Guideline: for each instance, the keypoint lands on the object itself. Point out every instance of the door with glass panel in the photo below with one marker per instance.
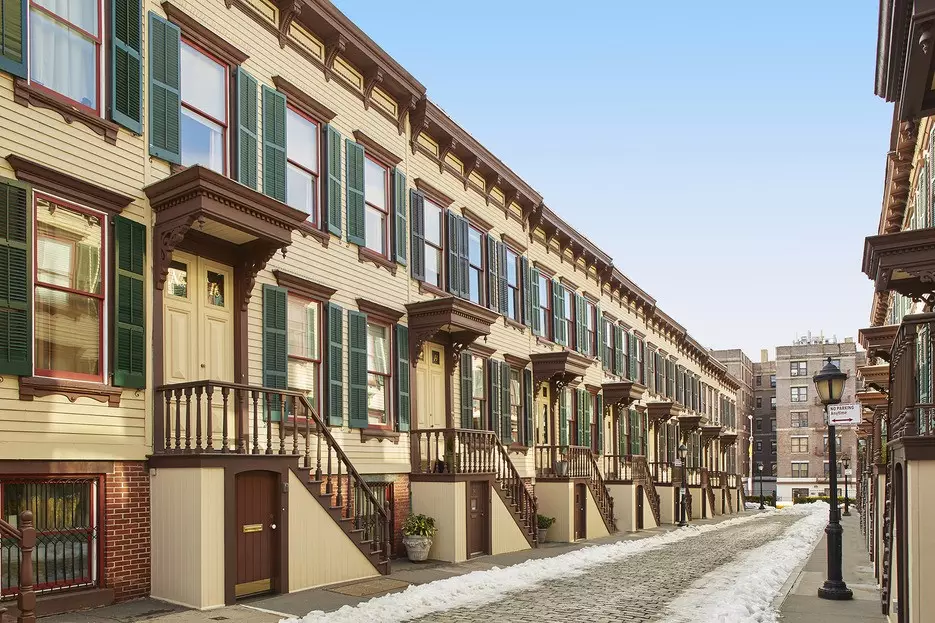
(430, 384)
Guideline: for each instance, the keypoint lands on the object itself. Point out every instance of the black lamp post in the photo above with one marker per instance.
(683, 512)
(846, 463)
(759, 469)
(830, 385)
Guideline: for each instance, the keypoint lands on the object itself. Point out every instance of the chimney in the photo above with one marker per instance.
(764, 355)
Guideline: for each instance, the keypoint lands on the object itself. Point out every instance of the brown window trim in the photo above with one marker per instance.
(365, 254)
(516, 245)
(568, 283)
(379, 434)
(594, 390)
(304, 287)
(68, 187)
(376, 149)
(516, 361)
(25, 94)
(542, 340)
(303, 101)
(542, 268)
(307, 229)
(202, 36)
(509, 322)
(379, 313)
(479, 221)
(428, 288)
(433, 193)
(33, 386)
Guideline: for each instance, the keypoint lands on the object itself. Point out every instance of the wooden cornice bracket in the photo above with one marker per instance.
(371, 79)
(489, 184)
(443, 151)
(288, 11)
(333, 47)
(403, 111)
(469, 167)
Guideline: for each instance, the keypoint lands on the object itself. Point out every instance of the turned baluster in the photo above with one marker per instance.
(268, 402)
(308, 439)
(188, 419)
(168, 417)
(353, 493)
(209, 393)
(329, 487)
(198, 391)
(256, 421)
(178, 419)
(340, 499)
(283, 415)
(318, 454)
(224, 397)
(26, 600)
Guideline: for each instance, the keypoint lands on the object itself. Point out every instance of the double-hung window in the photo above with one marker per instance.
(608, 344)
(69, 290)
(476, 265)
(569, 304)
(590, 328)
(799, 444)
(800, 469)
(799, 394)
(772, 403)
(799, 419)
(204, 109)
(512, 286)
(479, 393)
(798, 368)
(378, 374)
(302, 152)
(304, 318)
(545, 306)
(65, 49)
(376, 196)
(516, 402)
(837, 445)
(434, 230)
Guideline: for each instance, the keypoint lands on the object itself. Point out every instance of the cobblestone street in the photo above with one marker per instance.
(636, 588)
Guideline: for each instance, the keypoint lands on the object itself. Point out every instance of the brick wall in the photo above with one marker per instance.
(401, 510)
(127, 538)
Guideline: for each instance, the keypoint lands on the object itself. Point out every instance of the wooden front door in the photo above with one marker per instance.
(478, 518)
(199, 320)
(430, 387)
(639, 507)
(581, 493)
(543, 402)
(257, 528)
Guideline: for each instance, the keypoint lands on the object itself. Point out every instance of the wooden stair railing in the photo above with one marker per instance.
(605, 501)
(886, 574)
(520, 498)
(25, 539)
(707, 490)
(263, 420)
(642, 476)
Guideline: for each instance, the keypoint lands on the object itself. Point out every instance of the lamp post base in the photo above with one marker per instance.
(837, 591)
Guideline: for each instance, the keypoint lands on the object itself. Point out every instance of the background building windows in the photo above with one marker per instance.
(800, 470)
(798, 394)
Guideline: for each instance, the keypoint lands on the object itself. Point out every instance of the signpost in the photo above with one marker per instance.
(844, 414)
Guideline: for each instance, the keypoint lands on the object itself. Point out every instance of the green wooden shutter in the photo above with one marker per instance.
(274, 143)
(634, 432)
(335, 365)
(15, 276)
(454, 245)
(494, 402)
(581, 327)
(618, 350)
(467, 391)
(275, 345)
(356, 230)
(357, 369)
(247, 115)
(558, 304)
(599, 423)
(464, 261)
(13, 36)
(579, 416)
(506, 411)
(526, 290)
(587, 402)
(403, 403)
(165, 102)
(634, 354)
(529, 407)
(562, 418)
(493, 287)
(537, 327)
(130, 331)
(400, 216)
(602, 328)
(417, 207)
(333, 189)
(503, 291)
(126, 56)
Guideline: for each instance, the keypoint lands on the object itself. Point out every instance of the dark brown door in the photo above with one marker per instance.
(478, 518)
(639, 507)
(581, 493)
(257, 532)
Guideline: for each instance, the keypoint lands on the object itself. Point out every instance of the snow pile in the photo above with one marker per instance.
(751, 505)
(483, 587)
(743, 591)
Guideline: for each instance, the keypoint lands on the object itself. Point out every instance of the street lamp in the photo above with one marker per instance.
(750, 447)
(846, 463)
(829, 383)
(683, 514)
(759, 469)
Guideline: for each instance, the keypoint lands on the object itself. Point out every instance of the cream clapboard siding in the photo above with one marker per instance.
(556, 500)
(921, 563)
(594, 522)
(52, 427)
(447, 503)
(624, 507)
(505, 535)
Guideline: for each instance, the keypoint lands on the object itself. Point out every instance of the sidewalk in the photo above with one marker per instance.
(800, 604)
(271, 608)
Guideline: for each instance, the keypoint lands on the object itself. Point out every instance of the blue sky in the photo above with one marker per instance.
(729, 156)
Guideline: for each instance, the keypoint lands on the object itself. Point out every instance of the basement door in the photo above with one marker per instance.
(639, 507)
(581, 522)
(257, 525)
(478, 518)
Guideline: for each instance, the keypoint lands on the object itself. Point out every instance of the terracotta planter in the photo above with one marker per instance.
(542, 533)
(417, 547)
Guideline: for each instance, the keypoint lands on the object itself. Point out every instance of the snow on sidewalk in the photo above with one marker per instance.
(743, 590)
(483, 587)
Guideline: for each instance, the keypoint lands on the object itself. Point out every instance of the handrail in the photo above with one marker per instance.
(452, 451)
(642, 475)
(25, 536)
(525, 501)
(605, 501)
(300, 418)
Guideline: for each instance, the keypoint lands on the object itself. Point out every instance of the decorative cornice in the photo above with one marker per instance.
(193, 29)
(374, 147)
(67, 186)
(36, 386)
(30, 95)
(303, 101)
(433, 193)
(516, 361)
(542, 268)
(513, 243)
(476, 218)
(378, 311)
(303, 287)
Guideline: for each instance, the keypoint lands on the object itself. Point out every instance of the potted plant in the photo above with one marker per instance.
(543, 524)
(418, 532)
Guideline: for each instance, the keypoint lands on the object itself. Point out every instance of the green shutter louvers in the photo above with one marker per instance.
(333, 187)
(126, 48)
(599, 423)
(467, 391)
(13, 36)
(495, 402)
(15, 276)
(356, 229)
(335, 365)
(403, 402)
(400, 217)
(535, 308)
(165, 102)
(563, 418)
(275, 346)
(130, 328)
(529, 407)
(505, 411)
(417, 223)
(248, 131)
(357, 369)
(274, 143)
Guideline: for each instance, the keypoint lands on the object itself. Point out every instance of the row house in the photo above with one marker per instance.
(262, 299)
(896, 459)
